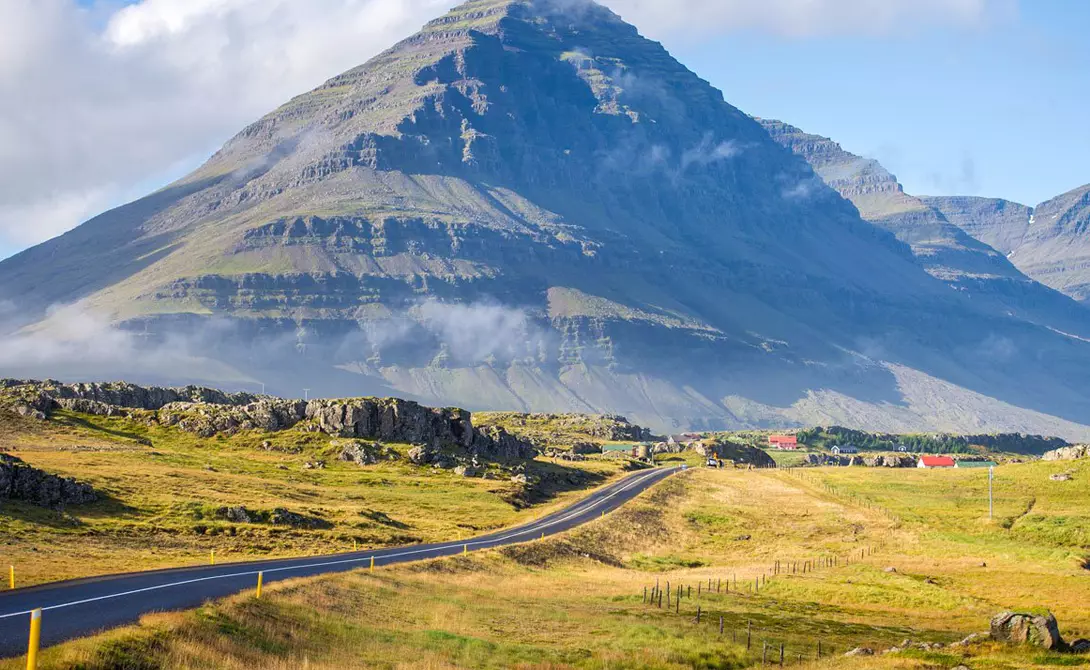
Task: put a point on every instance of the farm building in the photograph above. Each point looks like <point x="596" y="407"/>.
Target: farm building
<point x="977" y="464"/>
<point x="684" y="439"/>
<point x="783" y="442"/>
<point x="617" y="449"/>
<point x="930" y="462"/>
<point x="844" y="449"/>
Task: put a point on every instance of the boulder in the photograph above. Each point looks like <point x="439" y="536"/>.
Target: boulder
<point x="1067" y="453"/>
<point x="584" y="448"/>
<point x="363" y="453"/>
<point x="1037" y="630"/>
<point x="861" y="651"/>
<point x="1061" y="477"/>
<point x="421" y="455"/>
<point x="283" y="517"/>
<point x="238" y="514"/>
<point x="1081" y="646"/>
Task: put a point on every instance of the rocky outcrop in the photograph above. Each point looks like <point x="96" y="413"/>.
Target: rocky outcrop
<point x="1068" y="453"/>
<point x="889" y="461"/>
<point x="1037" y="630"/>
<point x="208" y="412"/>
<point x="279" y="516"/>
<point x="209" y="419"/>
<point x="363" y="453"/>
<point x="124" y="395"/>
<point x="880" y="461"/>
<point x="392" y="420"/>
<point x="19" y="481"/>
<point x="740" y="454"/>
<point x="495" y="443"/>
<point x="284" y="517"/>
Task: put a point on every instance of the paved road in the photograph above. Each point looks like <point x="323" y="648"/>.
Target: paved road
<point x="81" y="607"/>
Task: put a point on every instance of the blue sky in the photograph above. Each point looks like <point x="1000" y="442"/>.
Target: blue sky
<point x="995" y="106"/>
<point x="1003" y="110"/>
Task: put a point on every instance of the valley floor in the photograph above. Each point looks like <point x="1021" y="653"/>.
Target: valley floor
<point x="916" y="558"/>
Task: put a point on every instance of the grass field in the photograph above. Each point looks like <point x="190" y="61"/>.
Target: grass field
<point x="164" y="491"/>
<point x="577" y="601"/>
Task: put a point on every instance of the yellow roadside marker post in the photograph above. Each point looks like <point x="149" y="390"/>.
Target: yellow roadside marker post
<point x="212" y="557"/>
<point x="11" y="577"/>
<point x="260" y="579"/>
<point x="372" y="564"/>
<point x="35" y="639"/>
<point x="355" y="545"/>
<point x="465" y="550"/>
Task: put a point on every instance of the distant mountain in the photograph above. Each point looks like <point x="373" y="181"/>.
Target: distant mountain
<point x="1001" y="224"/>
<point x="1050" y="243"/>
<point x="950" y="237"/>
<point x="528" y="205"/>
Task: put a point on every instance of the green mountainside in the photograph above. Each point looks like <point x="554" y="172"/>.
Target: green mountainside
<point x="529" y="206"/>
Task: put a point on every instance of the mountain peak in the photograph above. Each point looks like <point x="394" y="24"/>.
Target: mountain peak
<point x="528" y="204"/>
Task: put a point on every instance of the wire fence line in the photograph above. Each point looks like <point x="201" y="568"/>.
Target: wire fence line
<point x="767" y="644"/>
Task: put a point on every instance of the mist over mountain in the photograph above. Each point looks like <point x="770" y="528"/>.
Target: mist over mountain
<point x="527" y="205"/>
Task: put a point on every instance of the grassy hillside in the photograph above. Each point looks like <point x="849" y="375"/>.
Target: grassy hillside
<point x="164" y="494"/>
<point x="577" y="601"/>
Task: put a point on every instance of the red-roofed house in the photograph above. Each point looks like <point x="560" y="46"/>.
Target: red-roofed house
<point x="935" y="462"/>
<point x="784" y="442"/>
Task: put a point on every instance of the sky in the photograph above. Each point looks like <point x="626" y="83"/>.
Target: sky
<point x="107" y="100"/>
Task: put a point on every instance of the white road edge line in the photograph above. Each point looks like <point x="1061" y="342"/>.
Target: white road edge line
<point x="581" y="508"/>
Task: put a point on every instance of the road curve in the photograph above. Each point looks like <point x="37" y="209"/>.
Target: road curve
<point x="81" y="607"/>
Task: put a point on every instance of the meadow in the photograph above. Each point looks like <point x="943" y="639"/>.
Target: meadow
<point x="164" y="494"/>
<point x="916" y="557"/>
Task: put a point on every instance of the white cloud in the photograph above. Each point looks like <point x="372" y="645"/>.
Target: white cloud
<point x="100" y="99"/>
<point x="97" y="100"/>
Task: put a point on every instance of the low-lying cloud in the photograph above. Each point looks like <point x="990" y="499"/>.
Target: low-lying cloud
<point x="74" y="343"/>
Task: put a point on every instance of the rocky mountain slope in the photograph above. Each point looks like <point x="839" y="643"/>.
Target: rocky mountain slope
<point x="529" y="206"/>
<point x="948" y="249"/>
<point x="1001" y="224"/>
<point x="1048" y="242"/>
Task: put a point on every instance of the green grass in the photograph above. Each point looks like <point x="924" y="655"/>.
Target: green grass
<point x="161" y="488"/>
<point x="917" y="559"/>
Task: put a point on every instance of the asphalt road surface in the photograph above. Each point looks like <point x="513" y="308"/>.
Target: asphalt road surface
<point x="81" y="607"/>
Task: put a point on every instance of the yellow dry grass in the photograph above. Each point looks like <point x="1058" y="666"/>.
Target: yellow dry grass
<point x="577" y="601"/>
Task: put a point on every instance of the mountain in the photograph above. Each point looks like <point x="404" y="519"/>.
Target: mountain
<point x="527" y="205"/>
<point x="1049" y="242"/>
<point x="955" y="251"/>
<point x="1001" y="224"/>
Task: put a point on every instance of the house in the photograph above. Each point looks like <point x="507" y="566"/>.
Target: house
<point x="783" y="442"/>
<point x="930" y="462"/>
<point x="977" y="464"/>
<point x="844" y="449"/>
<point x="620" y="449"/>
